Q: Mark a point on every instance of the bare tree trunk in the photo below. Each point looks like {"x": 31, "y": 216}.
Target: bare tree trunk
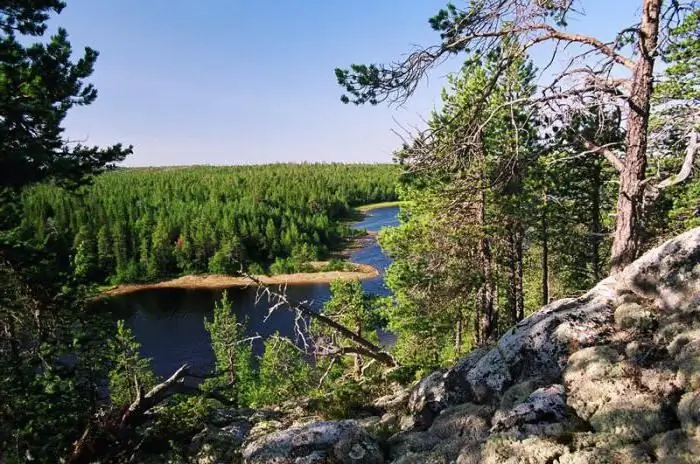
{"x": 545, "y": 250}
{"x": 358, "y": 357}
{"x": 595, "y": 228}
{"x": 518, "y": 260}
{"x": 486, "y": 290}
{"x": 516, "y": 300}
{"x": 459, "y": 327}
{"x": 628, "y": 225}
{"x": 477, "y": 318}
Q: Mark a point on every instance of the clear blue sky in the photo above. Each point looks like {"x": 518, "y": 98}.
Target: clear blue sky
{"x": 247, "y": 81}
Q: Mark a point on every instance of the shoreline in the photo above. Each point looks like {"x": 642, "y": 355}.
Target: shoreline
{"x": 386, "y": 204}
{"x": 219, "y": 281}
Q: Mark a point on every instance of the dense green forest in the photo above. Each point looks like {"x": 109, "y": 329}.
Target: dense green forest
{"x": 134, "y": 225}
{"x": 519, "y": 191}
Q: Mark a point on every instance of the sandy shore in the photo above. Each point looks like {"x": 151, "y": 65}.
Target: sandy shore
{"x": 217, "y": 281}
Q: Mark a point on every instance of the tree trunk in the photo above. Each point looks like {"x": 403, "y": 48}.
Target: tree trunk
{"x": 476, "y": 336}
{"x": 358, "y": 357}
{"x": 458, "y": 333}
{"x": 628, "y": 222}
{"x": 595, "y": 228}
{"x": 518, "y": 261}
{"x": 486, "y": 289}
{"x": 545, "y": 251}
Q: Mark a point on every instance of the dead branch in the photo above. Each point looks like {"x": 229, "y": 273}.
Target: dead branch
{"x": 302, "y": 312}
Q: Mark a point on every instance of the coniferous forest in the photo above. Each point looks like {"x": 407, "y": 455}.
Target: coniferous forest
{"x": 144, "y": 224}
{"x": 527, "y": 184}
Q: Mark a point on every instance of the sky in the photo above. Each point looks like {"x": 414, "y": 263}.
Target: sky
{"x": 247, "y": 82}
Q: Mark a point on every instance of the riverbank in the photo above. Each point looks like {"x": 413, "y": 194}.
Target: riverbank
{"x": 218, "y": 281}
{"x": 386, "y": 204}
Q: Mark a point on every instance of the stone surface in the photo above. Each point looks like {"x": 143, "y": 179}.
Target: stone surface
{"x": 544, "y": 412}
{"x": 668, "y": 275}
{"x": 607, "y": 391}
{"x": 634, "y": 316}
{"x": 342, "y": 442}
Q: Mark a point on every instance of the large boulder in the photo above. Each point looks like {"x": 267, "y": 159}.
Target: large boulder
{"x": 668, "y": 275}
{"x": 342, "y": 442}
{"x": 610, "y": 377}
{"x": 545, "y": 412}
{"x": 441, "y": 389}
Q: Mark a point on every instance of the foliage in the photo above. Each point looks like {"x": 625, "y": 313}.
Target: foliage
{"x": 170, "y": 221}
{"x": 130, "y": 372}
{"x": 234, "y": 367}
{"x": 283, "y": 374}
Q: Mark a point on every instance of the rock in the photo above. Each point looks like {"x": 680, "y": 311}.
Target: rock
{"x": 441, "y": 389}
{"x": 393, "y": 402}
{"x": 468, "y": 421}
{"x": 342, "y": 442}
{"x": 545, "y": 412}
{"x": 517, "y": 394}
{"x": 685, "y": 349}
{"x": 427, "y": 399}
{"x": 507, "y": 450}
{"x": 542, "y": 343}
{"x": 389, "y": 420}
{"x": 676, "y": 447}
{"x": 606, "y": 391}
{"x": 213, "y": 445}
{"x": 634, "y": 316}
{"x": 453, "y": 429}
{"x": 668, "y": 275}
{"x": 689, "y": 412}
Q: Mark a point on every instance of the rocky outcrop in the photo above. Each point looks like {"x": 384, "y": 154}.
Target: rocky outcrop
{"x": 343, "y": 442}
{"x": 610, "y": 377}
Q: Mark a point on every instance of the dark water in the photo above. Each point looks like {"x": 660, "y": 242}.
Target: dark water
{"x": 169, "y": 323}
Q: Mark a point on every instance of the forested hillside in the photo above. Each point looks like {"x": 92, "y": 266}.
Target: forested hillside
{"x": 143, "y": 224}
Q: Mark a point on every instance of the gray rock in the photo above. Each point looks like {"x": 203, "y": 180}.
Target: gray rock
{"x": 689, "y": 412}
{"x": 545, "y": 412}
{"x": 453, "y": 429}
{"x": 441, "y": 389}
{"x": 685, "y": 349}
{"x": 542, "y": 343}
{"x": 634, "y": 316}
{"x": 344, "y": 442}
{"x": 669, "y": 274}
{"x": 394, "y": 402}
{"x": 676, "y": 447}
{"x": 606, "y": 391}
{"x": 213, "y": 445}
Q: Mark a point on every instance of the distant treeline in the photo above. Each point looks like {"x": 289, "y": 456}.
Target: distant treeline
{"x": 149, "y": 223}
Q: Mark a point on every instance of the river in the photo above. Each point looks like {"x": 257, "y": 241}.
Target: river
{"x": 169, "y": 323}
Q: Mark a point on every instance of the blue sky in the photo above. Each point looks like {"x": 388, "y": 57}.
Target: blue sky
{"x": 246, "y": 81}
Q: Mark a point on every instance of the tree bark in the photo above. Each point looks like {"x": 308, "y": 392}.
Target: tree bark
{"x": 545, "y": 250}
{"x": 628, "y": 223}
{"x": 595, "y": 228}
{"x": 518, "y": 260}
{"x": 486, "y": 288}
{"x": 459, "y": 326}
